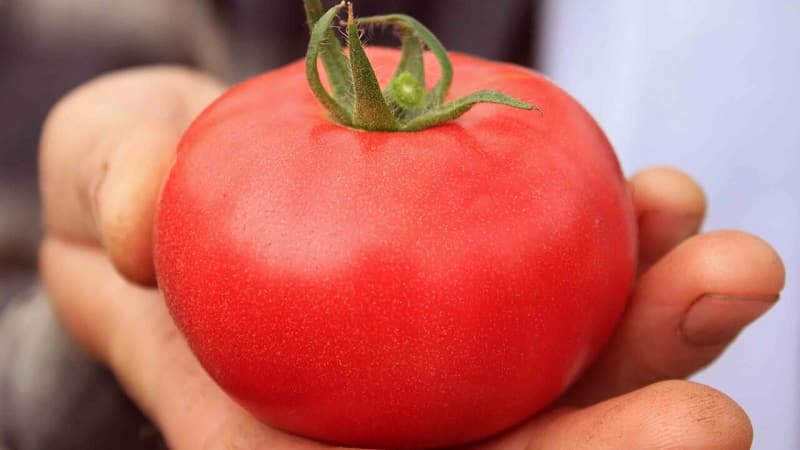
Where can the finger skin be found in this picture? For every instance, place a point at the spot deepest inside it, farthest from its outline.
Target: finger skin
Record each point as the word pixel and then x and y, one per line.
pixel 684 311
pixel 661 188
pixel 670 207
pixel 665 415
pixel 124 201
pixel 104 151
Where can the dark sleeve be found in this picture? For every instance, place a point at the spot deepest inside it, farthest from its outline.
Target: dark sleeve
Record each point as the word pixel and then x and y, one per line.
pixel 52 395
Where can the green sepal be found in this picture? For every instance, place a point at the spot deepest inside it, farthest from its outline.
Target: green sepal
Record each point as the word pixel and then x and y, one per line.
pixel 342 113
pixel 451 111
pixel 370 112
pixel 336 64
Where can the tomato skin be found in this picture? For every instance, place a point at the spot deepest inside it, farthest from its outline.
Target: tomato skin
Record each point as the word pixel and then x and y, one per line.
pixel 395 289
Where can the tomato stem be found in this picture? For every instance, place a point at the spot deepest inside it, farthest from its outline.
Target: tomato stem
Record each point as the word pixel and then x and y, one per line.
pixel 357 99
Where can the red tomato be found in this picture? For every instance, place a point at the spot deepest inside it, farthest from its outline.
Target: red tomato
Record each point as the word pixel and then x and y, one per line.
pixel 395 289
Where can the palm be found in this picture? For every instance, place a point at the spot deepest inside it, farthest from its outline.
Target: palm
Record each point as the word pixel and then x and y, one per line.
pixel 689 301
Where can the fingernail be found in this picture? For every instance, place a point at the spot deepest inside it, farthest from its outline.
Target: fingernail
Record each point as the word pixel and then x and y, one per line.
pixel 716 319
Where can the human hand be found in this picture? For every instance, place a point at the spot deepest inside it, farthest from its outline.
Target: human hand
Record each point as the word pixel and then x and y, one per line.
pixel 106 149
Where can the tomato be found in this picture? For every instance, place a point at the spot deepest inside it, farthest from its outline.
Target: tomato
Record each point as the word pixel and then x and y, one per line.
pixel 393 289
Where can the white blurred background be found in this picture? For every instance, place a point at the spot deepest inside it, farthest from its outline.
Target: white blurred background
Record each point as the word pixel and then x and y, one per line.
pixel 711 87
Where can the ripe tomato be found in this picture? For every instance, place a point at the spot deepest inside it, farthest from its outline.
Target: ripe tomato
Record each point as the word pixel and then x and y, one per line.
pixel 393 289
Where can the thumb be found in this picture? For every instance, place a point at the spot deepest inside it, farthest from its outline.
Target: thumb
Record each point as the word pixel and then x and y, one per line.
pixel 105 150
pixel 123 194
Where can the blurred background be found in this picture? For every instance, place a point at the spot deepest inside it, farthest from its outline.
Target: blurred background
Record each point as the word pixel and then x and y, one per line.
pixel 710 87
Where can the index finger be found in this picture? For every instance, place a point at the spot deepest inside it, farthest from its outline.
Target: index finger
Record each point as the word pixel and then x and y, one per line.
pixel 105 149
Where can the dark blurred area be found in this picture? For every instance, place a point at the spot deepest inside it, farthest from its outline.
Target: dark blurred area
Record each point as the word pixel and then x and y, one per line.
pixel 48 47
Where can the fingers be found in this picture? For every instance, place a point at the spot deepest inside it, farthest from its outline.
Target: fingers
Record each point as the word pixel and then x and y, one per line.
pixel 670 207
pixel 104 152
pixel 684 311
pixel 131 331
pixel 670 414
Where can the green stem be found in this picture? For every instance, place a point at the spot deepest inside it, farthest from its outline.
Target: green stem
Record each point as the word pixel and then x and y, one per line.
pixel 357 99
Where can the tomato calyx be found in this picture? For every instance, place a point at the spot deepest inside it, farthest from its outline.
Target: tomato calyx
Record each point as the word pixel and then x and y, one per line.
pixel 356 98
